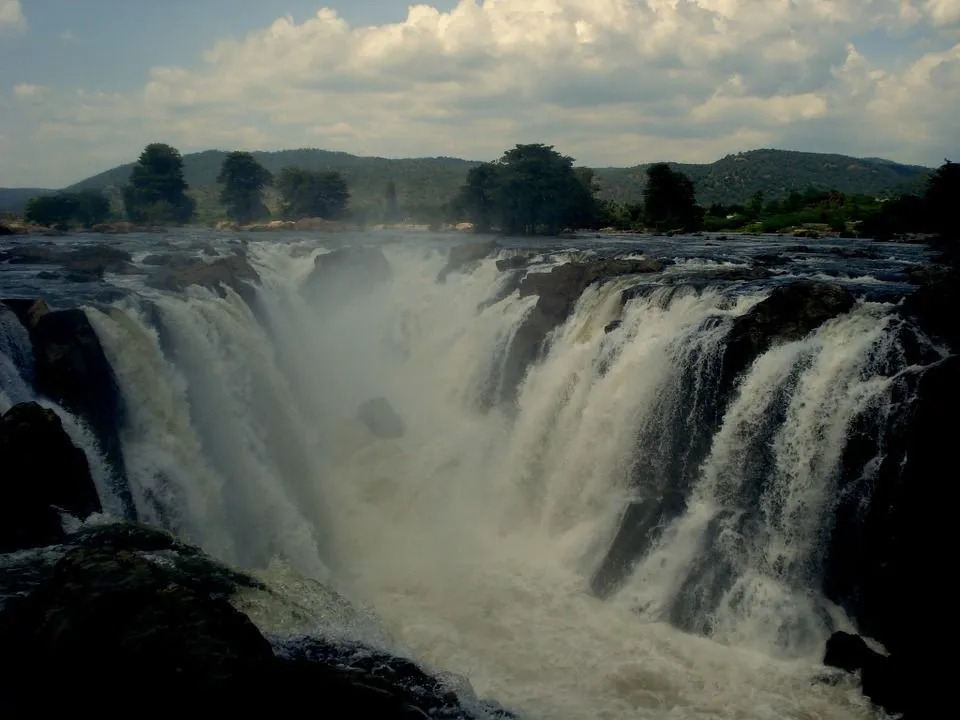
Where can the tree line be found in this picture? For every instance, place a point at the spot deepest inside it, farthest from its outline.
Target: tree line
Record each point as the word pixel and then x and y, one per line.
pixel 156 193
pixel 530 190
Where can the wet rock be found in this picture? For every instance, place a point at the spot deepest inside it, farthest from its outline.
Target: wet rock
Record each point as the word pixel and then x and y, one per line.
pixel 882 678
pixel 234 272
pixel 159 259
pixel 935 307
pixel 853 253
pixel 347 272
pixel 92 260
pixel 112 614
pixel 381 419
pixel 611 326
pixel 462 257
pixel 789 313
pixel 4 230
pixel 72 369
pixel 741 273
pixel 42 470
pixel 47 275
pixel 514 262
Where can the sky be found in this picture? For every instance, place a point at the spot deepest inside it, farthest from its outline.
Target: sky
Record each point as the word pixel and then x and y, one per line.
pixel 86 84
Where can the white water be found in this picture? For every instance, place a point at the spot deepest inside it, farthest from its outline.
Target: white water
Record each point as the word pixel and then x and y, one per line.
pixel 471 537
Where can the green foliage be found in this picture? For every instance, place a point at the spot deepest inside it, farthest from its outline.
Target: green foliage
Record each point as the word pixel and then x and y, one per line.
pixel 157 191
pixel 668 200
pixel 307 193
pixel 243 180
pixel 85 208
pixel 531 190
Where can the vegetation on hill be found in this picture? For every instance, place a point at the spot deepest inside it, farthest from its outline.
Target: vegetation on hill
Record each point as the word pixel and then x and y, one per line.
pixel 84 209
pixel 308 193
pixel 243 181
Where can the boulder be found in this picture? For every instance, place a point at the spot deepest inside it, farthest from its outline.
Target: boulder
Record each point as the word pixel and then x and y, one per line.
pixel 461 257
pixel 514 262
pixel 234 271
pixel 381 419
pixel 789 313
pixel 347 272
pixel 42 471
pixel 935 307
pixel 4 230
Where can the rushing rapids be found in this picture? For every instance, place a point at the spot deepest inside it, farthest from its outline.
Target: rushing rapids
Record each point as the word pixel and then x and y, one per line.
pixel 621 530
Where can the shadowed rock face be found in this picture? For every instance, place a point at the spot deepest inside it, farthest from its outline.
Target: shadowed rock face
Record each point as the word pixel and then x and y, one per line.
pixel 42 471
pixel 463 257
pixel 234 272
pixel 91 261
pixel 347 272
pixel 789 313
pixel 139 618
pixel 381 419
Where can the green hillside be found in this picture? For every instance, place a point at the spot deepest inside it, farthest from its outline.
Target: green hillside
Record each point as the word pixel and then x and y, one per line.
pixel 13 200
pixel 775 173
pixel 424 185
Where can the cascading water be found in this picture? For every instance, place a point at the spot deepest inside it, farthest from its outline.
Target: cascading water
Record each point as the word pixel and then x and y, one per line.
pixel 474 536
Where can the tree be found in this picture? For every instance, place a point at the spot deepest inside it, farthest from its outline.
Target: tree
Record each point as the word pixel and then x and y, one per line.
pixel 669 201
pixel 531 190
pixel 243 180
pixel 307 193
pixel 390 195
pixel 157 190
pixel 85 208
pixel 942 198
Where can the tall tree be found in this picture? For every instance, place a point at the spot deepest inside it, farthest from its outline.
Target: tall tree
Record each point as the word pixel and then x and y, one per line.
pixel 157 190
pixel 531 190
pixel 669 201
pixel 243 180
pixel 307 193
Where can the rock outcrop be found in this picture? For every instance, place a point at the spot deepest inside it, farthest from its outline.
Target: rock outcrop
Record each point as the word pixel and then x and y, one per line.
pixel 347 272
pixel 71 368
pixel 131 615
pixel 462 257
pixel 381 419
pixel 233 271
pixel 881 677
pixel 789 313
pixel 90 261
pixel 42 471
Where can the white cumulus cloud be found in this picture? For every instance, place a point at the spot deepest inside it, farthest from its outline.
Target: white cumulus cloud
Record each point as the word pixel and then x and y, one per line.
pixel 608 81
pixel 11 15
pixel 28 90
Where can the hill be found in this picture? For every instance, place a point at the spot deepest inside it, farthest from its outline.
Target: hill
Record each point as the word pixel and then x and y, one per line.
pixel 13 200
pixel 424 184
pixel 775 173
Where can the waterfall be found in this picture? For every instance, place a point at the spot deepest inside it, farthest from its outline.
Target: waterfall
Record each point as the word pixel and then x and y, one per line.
pixel 560 538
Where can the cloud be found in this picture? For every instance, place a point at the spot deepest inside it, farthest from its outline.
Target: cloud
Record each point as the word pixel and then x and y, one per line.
pixel 608 81
pixel 27 91
pixel 11 16
pixel 67 36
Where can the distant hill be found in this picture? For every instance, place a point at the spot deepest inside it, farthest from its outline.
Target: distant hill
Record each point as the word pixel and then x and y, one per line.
pixel 13 200
pixel 424 184
pixel 775 173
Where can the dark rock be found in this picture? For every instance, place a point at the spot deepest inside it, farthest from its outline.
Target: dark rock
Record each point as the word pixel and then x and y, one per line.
pixel 98 259
pixel 42 470
pixel 347 272
pixel 882 678
pixel 116 227
pixel 611 326
pixel 854 253
pixel 935 307
pixel 789 313
pixel 72 369
pixel 462 257
pixel 771 259
pixel 159 259
pixel 104 614
pixel 4 230
pixel 47 275
pixel 514 262
pixel 84 277
pixel 112 614
pixel 234 272
pixel 382 420
pixel 741 273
